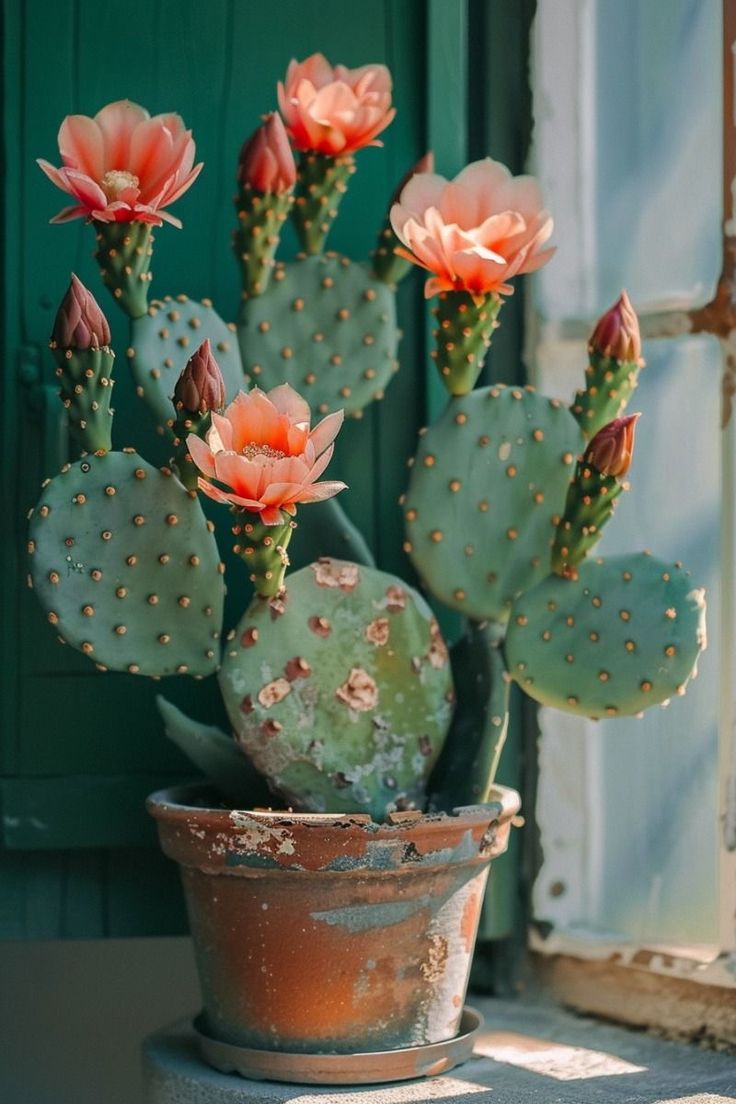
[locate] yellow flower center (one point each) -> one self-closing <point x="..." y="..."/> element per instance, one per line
<point x="251" y="451"/>
<point x="116" y="181"/>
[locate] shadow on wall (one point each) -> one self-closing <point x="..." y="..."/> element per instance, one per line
<point x="73" y="1015"/>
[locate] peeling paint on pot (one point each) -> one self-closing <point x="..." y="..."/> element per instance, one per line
<point x="329" y="933"/>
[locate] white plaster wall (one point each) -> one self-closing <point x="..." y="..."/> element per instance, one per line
<point x="73" y="1014"/>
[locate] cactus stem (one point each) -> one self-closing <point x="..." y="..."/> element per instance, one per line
<point x="463" y="336"/>
<point x="124" y="255"/>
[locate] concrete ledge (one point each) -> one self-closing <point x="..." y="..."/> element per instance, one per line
<point x="530" y="1052"/>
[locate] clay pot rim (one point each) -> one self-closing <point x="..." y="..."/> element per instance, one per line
<point x="179" y="804"/>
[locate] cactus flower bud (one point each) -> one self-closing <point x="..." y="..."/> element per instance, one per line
<point x="200" y="387"/>
<point x="266" y="161"/>
<point x="616" y="333"/>
<point x="80" y="324"/>
<point x="611" y="450"/>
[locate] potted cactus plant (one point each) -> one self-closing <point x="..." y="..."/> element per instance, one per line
<point x="345" y="837"/>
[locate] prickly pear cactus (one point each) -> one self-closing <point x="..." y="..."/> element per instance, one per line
<point x="621" y="637"/>
<point x="327" y="326"/>
<point x="487" y="487"/>
<point x="126" y="566"/>
<point x="162" y="341"/>
<point x="340" y="690"/>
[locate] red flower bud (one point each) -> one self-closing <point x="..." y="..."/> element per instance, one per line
<point x="612" y="448"/>
<point x="617" y="333"/>
<point x="200" y="386"/>
<point x="266" y="161"/>
<point x="80" y="324"/>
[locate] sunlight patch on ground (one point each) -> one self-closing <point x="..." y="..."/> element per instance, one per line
<point x="557" y="1060"/>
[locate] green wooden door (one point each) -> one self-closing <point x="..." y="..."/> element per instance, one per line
<point x="79" y="750"/>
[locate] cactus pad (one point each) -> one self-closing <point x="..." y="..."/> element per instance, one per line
<point x="126" y="566"/>
<point x="643" y="617"/>
<point x="340" y="690"/>
<point x="162" y="341"/>
<point x="486" y="492"/>
<point x="325" y="325"/>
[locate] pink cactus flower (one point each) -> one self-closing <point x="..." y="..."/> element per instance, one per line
<point x="262" y="449"/>
<point x="123" y="165"/>
<point x="612" y="448"/>
<point x="335" y="110"/>
<point x="266" y="161"/>
<point x="616" y="333"/>
<point x="475" y="232"/>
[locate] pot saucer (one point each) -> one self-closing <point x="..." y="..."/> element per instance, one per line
<point x="368" y="1068"/>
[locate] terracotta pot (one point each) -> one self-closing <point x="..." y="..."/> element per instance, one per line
<point x="330" y="933"/>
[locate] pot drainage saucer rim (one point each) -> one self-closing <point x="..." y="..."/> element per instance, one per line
<point x="367" y="1068"/>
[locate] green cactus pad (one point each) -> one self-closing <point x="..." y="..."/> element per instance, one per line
<point x="126" y="566"/>
<point x="340" y="690"/>
<point x="624" y="635"/>
<point x="162" y="341"/>
<point x="325" y="325"/>
<point x="486" y="492"/>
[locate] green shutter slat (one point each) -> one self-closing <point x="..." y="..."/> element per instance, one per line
<point x="144" y="895"/>
<point x="78" y="811"/>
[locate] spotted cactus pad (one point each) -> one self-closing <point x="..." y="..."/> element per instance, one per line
<point x="162" y="341"/>
<point x="340" y="690"/>
<point x="327" y="326"/>
<point x="125" y="564"/>
<point x="623" y="636"/>
<point x="487" y="489"/>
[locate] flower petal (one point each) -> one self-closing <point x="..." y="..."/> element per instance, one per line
<point x="326" y="431"/>
<point x="288" y="401"/>
<point x="117" y="121"/>
<point x="81" y="145"/>
<point x="201" y="454"/>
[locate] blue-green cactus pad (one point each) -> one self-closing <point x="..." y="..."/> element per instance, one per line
<point x="487" y="487"/>
<point x="327" y="326"/>
<point x="341" y="691"/>
<point x="125" y="564"/>
<point x="624" y="635"/>
<point x="162" y="341"/>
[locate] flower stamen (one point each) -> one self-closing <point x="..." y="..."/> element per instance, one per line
<point x="251" y="451"/>
<point x="117" y="181"/>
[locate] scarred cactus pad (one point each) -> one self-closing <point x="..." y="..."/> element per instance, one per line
<point x="325" y="325"/>
<point x="340" y="690"/>
<point x="487" y="489"/>
<point x="126" y="566"/>
<point x="624" y="635"/>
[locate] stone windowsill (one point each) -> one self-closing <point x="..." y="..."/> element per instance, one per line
<point x="529" y="1052"/>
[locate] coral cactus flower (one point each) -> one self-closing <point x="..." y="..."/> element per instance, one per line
<point x="475" y="232"/>
<point x="616" y="333"/>
<point x="335" y="110"/>
<point x="263" y="451"/>
<point x="123" y="165"/>
<point x="612" y="448"/>
<point x="266" y="161"/>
